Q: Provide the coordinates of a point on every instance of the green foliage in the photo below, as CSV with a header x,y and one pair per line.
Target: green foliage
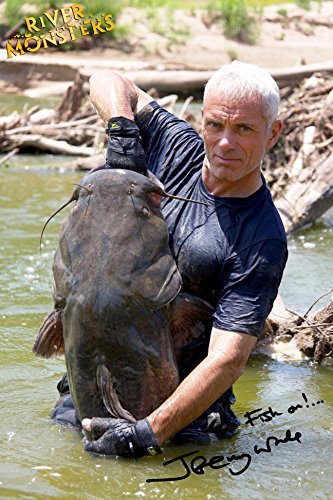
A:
x,y
98,7
239,18
165,23
282,12
191,5
237,22
15,10
281,37
156,22
168,4
304,4
6,164
232,54
177,36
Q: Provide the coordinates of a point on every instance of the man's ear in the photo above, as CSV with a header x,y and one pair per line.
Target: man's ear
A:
x,y
274,134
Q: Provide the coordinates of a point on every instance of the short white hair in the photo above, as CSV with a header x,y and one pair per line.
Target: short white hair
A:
x,y
239,80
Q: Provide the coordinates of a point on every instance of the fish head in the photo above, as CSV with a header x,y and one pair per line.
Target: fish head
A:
x,y
118,225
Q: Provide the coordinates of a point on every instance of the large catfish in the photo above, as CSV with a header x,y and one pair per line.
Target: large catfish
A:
x,y
118,317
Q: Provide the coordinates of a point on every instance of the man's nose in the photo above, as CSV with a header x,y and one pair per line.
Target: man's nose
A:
x,y
227,139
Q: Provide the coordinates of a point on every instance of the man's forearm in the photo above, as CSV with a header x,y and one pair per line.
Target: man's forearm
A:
x,y
211,378
114,95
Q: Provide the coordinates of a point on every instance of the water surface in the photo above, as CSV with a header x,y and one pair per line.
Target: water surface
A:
x,y
41,460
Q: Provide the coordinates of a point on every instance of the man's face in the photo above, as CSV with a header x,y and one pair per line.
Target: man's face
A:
x,y
236,137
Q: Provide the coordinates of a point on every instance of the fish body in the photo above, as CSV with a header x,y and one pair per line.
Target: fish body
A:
x,y
117,302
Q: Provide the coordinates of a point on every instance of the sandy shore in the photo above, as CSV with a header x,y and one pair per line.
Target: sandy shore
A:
x,y
186,41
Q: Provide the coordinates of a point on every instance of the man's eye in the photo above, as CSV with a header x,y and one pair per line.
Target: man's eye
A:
x,y
244,128
213,124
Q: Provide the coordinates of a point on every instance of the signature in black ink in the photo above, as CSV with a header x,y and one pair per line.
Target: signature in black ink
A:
x,y
276,441
266,416
199,463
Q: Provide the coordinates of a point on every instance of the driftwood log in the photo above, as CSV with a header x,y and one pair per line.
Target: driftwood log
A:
x,y
299,169
185,83
307,197
311,336
71,129
183,80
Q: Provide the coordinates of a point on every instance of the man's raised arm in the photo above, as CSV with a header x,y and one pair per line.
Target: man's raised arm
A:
x,y
117,100
114,95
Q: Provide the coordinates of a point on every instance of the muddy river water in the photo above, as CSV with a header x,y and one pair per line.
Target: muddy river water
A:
x,y
287,453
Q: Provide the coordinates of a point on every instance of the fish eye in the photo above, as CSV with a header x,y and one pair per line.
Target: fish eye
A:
x,y
145,211
155,199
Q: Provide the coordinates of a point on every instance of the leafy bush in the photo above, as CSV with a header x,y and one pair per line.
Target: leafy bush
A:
x,y
282,12
304,4
15,10
237,23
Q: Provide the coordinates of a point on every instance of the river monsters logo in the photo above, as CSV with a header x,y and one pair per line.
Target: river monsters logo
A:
x,y
68,24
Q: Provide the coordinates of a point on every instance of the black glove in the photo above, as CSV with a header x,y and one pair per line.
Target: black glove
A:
x,y
124,146
121,437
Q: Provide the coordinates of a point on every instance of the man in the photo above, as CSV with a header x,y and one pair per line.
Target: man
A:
x,y
231,253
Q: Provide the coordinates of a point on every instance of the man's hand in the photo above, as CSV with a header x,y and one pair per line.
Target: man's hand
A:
x,y
124,146
121,437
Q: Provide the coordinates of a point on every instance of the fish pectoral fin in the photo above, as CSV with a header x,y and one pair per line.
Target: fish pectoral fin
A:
x,y
188,316
110,396
50,341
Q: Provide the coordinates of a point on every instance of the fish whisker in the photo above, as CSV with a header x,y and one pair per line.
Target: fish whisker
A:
x,y
51,217
74,197
172,196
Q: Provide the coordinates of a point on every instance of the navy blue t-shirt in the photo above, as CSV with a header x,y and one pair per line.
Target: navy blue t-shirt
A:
x,y
231,253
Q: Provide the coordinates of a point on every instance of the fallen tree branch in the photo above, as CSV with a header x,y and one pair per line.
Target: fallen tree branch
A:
x,y
312,325
59,147
316,301
55,126
310,194
9,155
311,335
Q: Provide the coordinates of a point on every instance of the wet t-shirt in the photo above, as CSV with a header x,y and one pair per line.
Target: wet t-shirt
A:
x,y
231,251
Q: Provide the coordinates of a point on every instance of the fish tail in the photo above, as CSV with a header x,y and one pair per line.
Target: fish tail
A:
x,y
109,394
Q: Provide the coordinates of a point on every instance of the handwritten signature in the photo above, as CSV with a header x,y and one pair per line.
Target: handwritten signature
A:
x,y
266,416
199,463
237,464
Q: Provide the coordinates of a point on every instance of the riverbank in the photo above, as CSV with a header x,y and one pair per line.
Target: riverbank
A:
x,y
158,40
287,36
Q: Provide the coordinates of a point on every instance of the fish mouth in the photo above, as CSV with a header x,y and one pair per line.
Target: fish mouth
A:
x,y
158,289
170,289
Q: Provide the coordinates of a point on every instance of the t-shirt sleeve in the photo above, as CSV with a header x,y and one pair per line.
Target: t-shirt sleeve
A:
x,y
253,278
173,148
